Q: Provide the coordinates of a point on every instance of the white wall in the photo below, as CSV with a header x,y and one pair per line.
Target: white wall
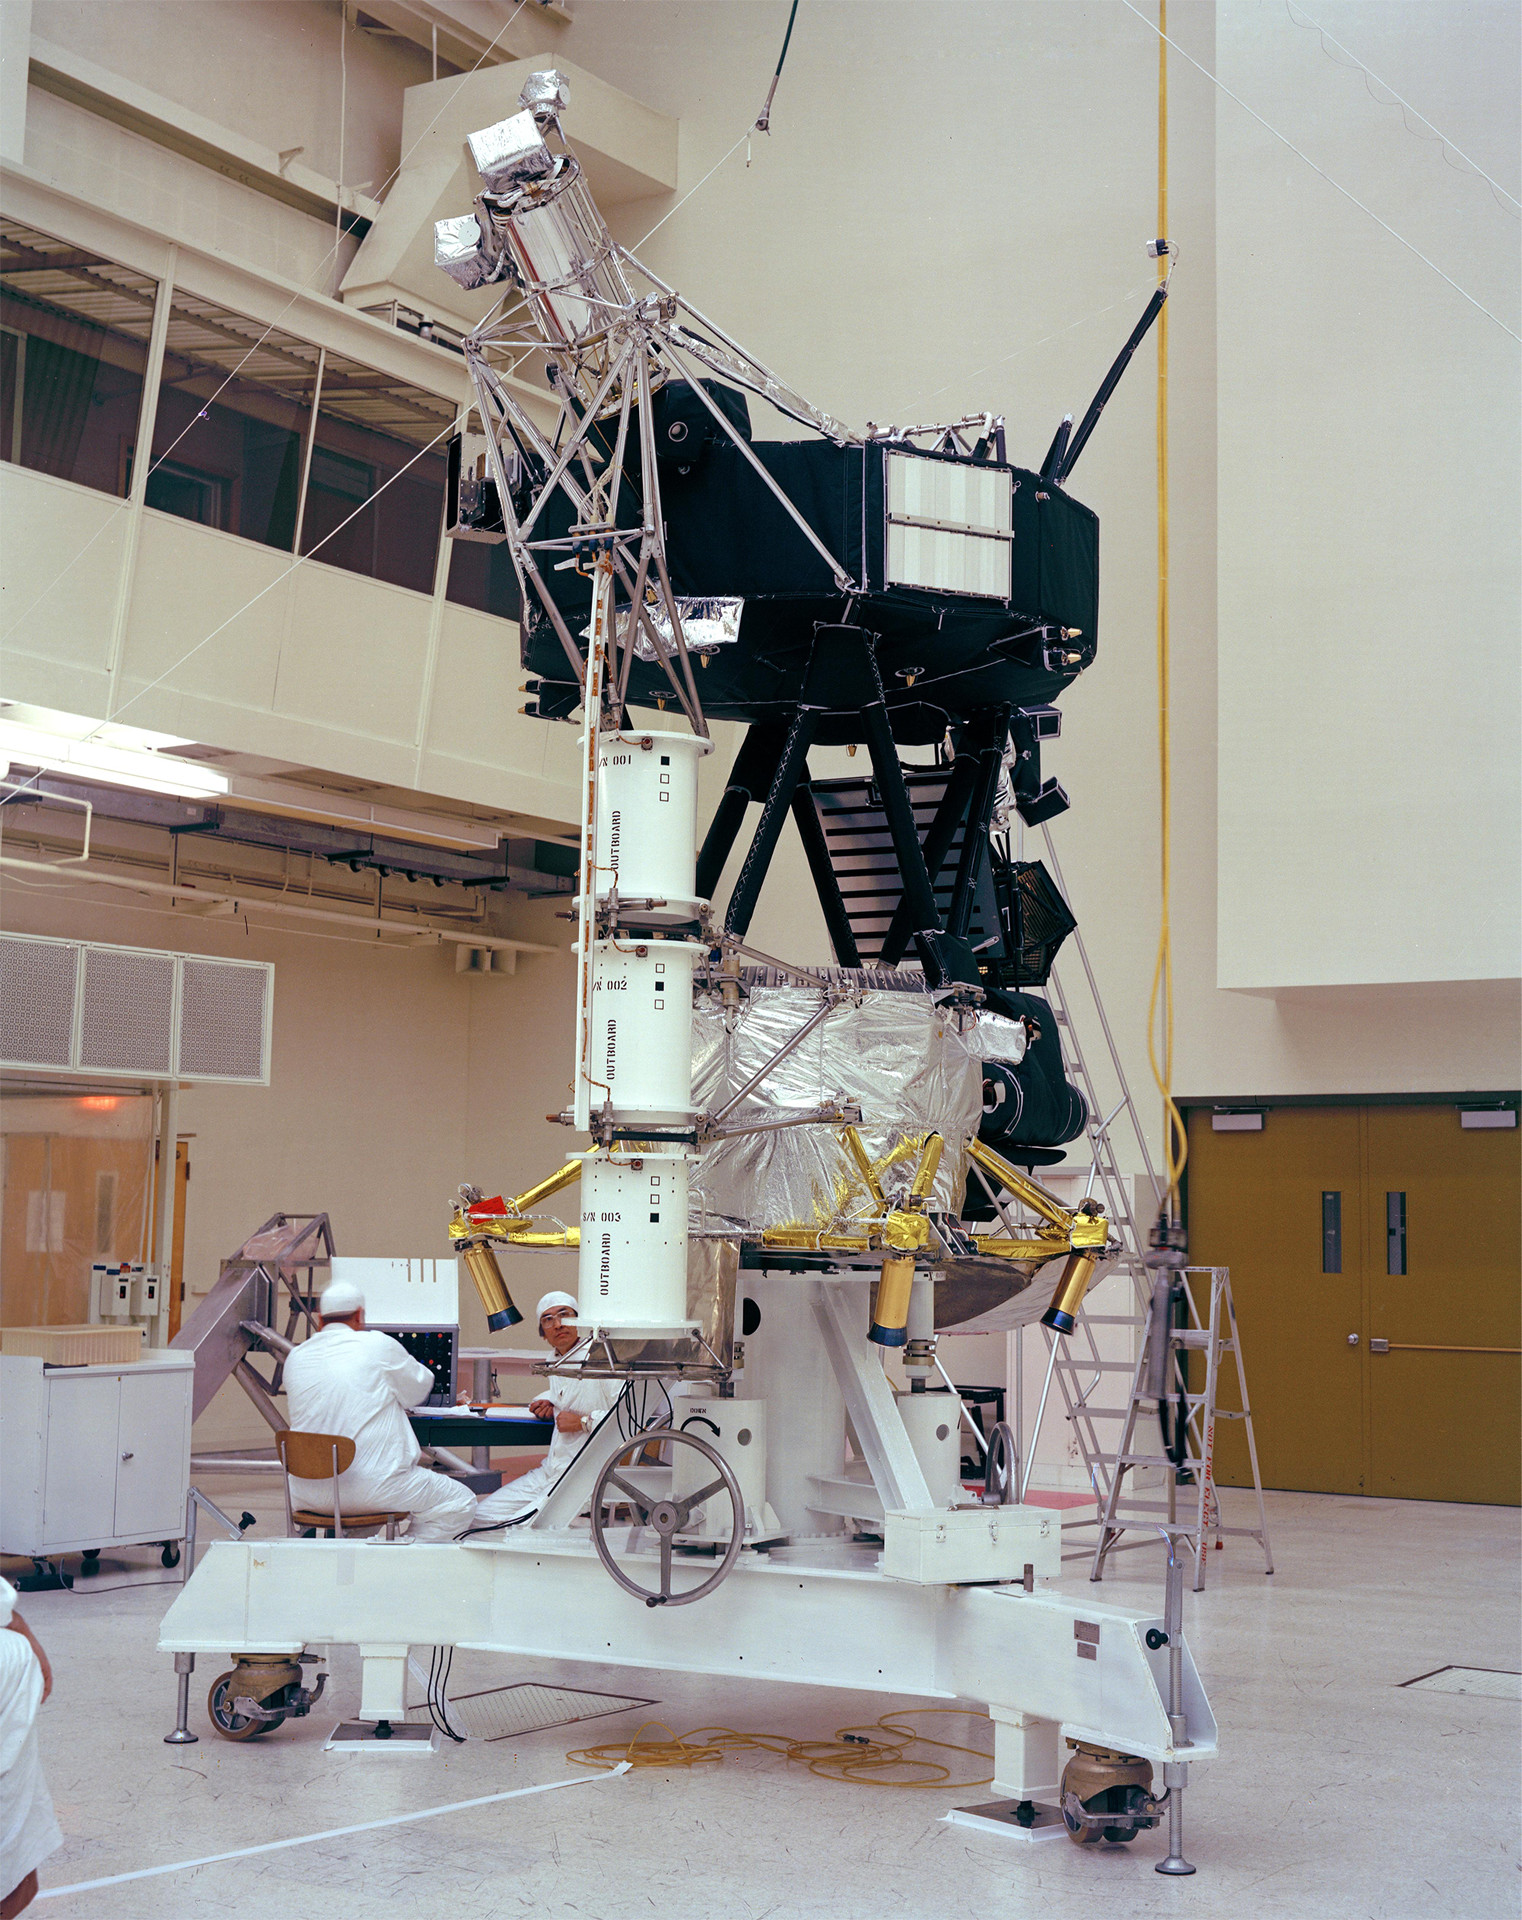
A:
x,y
1370,809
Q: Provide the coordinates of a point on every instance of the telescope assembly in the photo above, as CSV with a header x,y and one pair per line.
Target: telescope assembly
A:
x,y
783,1171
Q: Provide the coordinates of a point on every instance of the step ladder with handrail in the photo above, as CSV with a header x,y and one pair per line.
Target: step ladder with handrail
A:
x,y
1082,1372
1161,1376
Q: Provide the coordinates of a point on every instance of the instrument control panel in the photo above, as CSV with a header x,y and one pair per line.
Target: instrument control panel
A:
x,y
438,1349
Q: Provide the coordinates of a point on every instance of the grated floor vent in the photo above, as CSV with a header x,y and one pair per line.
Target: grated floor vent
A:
x,y
499,1713
1497,1683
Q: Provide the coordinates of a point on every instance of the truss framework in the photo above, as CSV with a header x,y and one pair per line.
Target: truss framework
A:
x,y
606,382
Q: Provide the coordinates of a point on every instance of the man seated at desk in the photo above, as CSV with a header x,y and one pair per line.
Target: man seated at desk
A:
x,y
351,1380
574,1405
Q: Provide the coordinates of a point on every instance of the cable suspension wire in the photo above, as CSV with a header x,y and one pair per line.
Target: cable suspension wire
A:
x,y
1309,25
1131,293
254,598
692,190
764,117
761,124
1315,167
310,287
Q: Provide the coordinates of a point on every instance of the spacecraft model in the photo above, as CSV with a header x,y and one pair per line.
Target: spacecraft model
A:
x,y
785,1171
906,586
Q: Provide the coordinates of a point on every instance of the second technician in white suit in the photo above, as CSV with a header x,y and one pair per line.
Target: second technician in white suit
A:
x,y
352,1380
574,1405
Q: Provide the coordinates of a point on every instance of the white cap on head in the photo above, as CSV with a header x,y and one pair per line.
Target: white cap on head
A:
x,y
555,1300
339,1299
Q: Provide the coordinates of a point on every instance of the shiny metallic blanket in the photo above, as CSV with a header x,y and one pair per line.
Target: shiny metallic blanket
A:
x,y
898,1056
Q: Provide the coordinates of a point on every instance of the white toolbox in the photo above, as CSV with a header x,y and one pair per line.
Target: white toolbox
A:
x,y
952,1546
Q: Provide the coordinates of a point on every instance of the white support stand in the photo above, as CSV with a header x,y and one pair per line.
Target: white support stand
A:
x,y
1027,1768
896,1471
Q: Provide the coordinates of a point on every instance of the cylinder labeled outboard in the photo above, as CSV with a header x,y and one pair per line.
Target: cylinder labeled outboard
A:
x,y
647,825
632,1271
640,1047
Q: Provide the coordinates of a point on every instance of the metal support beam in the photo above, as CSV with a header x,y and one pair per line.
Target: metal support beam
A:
x,y
896,1471
975,837
919,896
817,852
752,774
790,769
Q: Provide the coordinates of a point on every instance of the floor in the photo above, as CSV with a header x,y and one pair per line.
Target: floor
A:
x,y
1337,1793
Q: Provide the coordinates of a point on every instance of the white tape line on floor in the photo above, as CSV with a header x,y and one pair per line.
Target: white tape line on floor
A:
x,y
331,1833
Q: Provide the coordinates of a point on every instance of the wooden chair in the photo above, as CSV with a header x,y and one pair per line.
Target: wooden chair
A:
x,y
323,1456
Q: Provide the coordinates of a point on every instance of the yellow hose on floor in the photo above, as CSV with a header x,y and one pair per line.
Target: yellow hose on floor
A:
x,y
859,1754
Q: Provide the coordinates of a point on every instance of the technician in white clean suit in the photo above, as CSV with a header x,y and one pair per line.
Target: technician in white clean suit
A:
x,y
350,1380
574,1405
28,1830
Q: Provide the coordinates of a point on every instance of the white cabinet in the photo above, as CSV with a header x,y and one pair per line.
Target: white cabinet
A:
x,y
93,1456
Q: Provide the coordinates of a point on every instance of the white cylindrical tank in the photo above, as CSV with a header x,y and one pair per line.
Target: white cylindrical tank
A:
x,y
647,822
632,1268
737,1430
933,1423
639,1056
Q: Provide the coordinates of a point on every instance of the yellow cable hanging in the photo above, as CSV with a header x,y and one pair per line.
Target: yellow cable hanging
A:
x,y
1175,1136
859,1754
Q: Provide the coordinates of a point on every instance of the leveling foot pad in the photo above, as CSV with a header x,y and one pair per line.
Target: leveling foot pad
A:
x,y
1013,1819
381,1736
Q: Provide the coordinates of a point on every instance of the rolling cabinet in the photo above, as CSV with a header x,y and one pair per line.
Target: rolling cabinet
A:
x,y
94,1456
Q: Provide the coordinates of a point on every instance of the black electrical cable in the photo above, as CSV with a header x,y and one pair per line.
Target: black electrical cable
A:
x,y
119,1586
437,1701
614,1413
1173,1406
764,117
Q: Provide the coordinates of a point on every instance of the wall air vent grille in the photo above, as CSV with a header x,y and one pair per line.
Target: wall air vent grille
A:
x,y
37,979
140,1013
222,1019
127,1020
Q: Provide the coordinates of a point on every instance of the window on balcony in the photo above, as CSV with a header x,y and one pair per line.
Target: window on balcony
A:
x,y
375,497
235,408
73,354
483,577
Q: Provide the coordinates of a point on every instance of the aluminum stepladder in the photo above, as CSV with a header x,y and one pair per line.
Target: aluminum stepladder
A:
x,y
1104,1427
1080,1381
1214,1334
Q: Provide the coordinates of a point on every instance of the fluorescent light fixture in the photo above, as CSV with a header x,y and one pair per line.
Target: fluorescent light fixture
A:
x,y
86,749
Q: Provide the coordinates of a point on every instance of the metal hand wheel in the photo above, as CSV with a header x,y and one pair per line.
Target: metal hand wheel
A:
x,y
665,1517
1001,1473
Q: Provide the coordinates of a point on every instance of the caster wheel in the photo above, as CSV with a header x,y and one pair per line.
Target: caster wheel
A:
x,y
1120,1836
1081,1836
170,1554
231,1725
90,1563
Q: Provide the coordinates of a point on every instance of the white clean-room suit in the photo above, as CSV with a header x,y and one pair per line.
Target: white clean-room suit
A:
x,y
360,1383
28,1830
567,1393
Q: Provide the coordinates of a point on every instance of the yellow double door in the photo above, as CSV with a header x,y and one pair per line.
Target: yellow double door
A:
x,y
1376,1265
